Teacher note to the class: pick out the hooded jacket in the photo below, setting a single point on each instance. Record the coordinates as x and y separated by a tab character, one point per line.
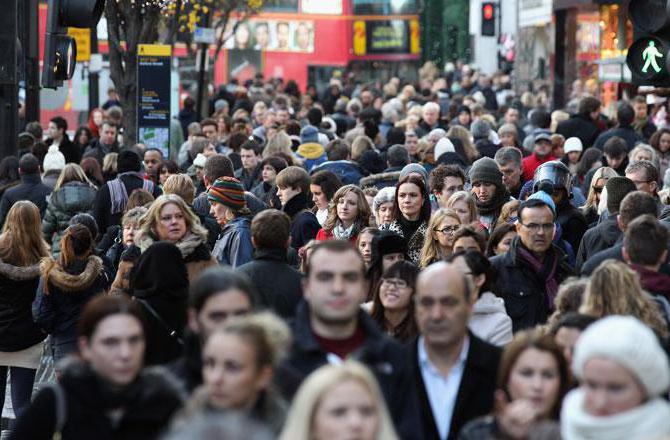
69	200
312	155
60	299
489	320
18	284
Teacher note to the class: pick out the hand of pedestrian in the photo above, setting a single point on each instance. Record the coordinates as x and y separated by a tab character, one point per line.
515	418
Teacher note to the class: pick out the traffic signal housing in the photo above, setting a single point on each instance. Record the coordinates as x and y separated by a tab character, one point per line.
488	19
60	50
648	57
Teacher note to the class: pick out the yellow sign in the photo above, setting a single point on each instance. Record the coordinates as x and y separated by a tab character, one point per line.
359	38
154	50
414	42
83	39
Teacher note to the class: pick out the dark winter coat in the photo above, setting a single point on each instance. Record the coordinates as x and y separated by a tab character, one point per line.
98	150
234	248
18	284
58	304
201	205
268	194
148	404
71	152
486	148
385	357
277	283
31	188
573	224
626	133
579	126
348	171
601	237
102	209
304	225
66	202
524	294
249	180
475	392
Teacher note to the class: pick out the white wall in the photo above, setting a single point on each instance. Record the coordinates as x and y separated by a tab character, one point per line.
485	48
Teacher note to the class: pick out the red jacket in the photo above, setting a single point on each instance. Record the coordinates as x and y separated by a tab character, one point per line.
328	235
530	164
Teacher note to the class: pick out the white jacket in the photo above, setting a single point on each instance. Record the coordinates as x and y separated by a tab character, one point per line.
489	320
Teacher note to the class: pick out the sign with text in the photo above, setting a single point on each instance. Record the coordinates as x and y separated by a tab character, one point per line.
380	37
153	96
83	39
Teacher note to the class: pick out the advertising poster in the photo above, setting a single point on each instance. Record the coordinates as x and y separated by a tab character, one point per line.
153	96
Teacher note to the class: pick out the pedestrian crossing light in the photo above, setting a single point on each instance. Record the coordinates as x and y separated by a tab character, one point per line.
647	57
60	50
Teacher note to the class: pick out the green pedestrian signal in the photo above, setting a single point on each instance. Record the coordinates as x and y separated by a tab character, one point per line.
649	55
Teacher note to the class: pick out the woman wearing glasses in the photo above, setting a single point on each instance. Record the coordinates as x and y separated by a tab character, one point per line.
600	178
439	241
392	305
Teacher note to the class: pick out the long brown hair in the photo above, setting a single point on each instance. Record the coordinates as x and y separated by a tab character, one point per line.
21	242
363	218
523	341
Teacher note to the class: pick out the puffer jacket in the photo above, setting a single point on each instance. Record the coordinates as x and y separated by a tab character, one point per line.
71	199
234	246
17	292
59	302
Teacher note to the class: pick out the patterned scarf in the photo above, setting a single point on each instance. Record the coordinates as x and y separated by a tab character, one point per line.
545	270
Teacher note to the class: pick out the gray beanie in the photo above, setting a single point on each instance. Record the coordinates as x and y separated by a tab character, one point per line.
480	129
414	168
485	170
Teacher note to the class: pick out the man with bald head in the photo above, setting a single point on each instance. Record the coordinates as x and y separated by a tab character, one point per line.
454	371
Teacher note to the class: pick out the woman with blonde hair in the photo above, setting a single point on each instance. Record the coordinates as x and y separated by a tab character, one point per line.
21	249
464	204
170	219
348	215
615	289
462	134
279	143
600	178
73	194
255	344
439	239
339	401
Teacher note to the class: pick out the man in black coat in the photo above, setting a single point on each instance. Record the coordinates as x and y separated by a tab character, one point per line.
293	192
606	233
31	188
106	144
112	197
277	283
58	137
624	129
454	371
583	125
330	327
531	271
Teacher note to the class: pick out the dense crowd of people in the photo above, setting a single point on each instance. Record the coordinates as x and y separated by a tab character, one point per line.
438	260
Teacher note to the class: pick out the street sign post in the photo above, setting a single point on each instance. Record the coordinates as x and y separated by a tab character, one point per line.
153	96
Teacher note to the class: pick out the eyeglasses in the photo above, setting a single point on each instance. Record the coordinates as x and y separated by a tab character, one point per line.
536	227
640	182
448	229
395	282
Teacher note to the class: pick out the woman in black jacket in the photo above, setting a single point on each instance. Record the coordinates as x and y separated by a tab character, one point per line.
66	286
104	395
21	249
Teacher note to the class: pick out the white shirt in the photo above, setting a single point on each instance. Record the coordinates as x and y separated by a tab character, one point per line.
442	391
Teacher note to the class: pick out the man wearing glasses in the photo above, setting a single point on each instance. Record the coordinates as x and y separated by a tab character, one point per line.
530	272
644	175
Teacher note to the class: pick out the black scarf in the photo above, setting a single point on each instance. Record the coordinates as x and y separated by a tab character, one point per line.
82	381
298	203
409	227
492	206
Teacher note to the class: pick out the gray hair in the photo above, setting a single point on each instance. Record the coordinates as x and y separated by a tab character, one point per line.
384	195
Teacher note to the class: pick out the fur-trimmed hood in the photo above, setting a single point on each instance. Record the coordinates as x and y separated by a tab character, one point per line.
186	245
19	273
54	274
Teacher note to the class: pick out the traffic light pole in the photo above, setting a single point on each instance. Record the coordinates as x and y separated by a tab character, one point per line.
32	62
93	77
9	115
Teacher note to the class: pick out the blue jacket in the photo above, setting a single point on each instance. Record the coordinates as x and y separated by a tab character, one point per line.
348	171
234	248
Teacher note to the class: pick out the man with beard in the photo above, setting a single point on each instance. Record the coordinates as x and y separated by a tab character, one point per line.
489	191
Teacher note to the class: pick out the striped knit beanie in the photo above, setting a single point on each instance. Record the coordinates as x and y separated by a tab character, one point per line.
228	191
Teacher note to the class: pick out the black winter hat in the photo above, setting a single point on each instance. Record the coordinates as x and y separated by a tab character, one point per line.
128	160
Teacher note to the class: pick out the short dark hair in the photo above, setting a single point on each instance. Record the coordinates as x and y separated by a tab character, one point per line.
328	181
625	114
293	177
209	121
216	280
572	320
650	170
479	265
28	164
335	246
338	149
60	123
534	203
276	162
315	116
470	231
88	221
218	166
645	240
615	147
103	306
634	205
252	145
588	105
236	140
496	236
441	172
397	156
271	229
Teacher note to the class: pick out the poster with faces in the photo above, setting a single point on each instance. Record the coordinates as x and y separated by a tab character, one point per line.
272	35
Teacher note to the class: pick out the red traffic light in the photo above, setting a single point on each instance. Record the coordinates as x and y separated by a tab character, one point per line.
487	11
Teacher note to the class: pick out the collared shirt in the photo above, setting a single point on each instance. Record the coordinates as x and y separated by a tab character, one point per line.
442	391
